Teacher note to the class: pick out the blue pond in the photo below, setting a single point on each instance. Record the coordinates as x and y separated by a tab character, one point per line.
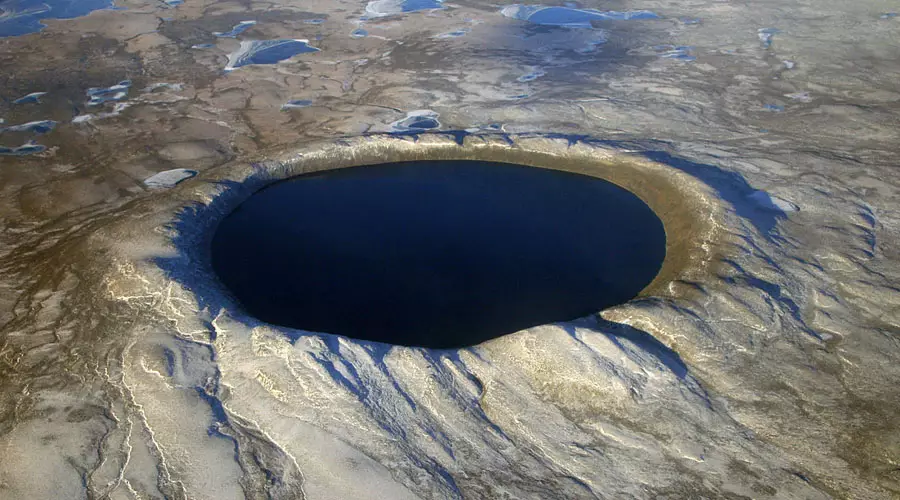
236	30
296	104
38	127
570	17
267	52
379	8
417	123
436	253
20	17
32	98
100	95
416	5
23	150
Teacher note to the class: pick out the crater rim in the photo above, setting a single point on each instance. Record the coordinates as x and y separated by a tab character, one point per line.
687	207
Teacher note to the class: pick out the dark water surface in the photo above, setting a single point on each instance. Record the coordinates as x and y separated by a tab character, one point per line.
436	253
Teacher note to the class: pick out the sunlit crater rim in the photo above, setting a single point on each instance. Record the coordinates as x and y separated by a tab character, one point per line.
691	214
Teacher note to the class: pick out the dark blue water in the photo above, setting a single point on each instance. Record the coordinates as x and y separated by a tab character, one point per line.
269	52
20	17
418	123
277	53
417	5
437	253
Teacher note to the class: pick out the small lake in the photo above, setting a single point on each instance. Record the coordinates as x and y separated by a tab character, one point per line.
436	253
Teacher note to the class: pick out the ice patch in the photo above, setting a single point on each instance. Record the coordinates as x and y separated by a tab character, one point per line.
267	52
453	34
799	96
569	17
381	8
296	104
417	121
236	30
169	178
773	107
33	97
21	17
25	149
680	52
100	95
38	127
534	75
765	36
117	110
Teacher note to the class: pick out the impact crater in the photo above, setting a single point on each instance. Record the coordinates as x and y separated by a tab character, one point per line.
442	240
